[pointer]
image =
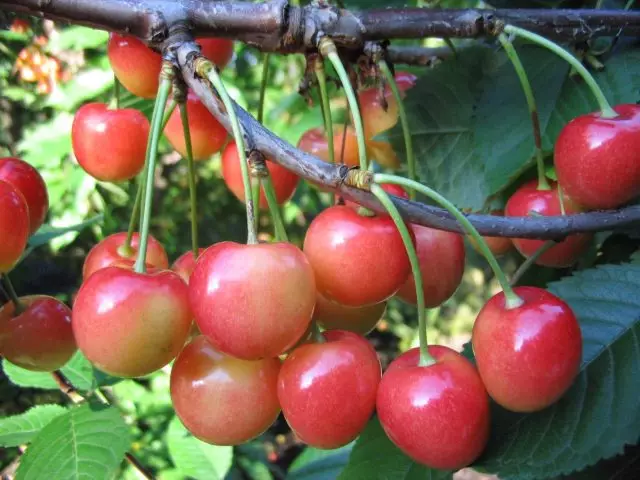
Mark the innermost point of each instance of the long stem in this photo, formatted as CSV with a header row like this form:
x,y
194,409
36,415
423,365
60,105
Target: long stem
x,y
524,266
11,293
326,109
274,208
425,358
512,300
255,196
263,87
193,199
605,107
543,184
116,91
171,106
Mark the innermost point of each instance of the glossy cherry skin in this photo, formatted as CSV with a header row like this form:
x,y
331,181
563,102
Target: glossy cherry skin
x,y
136,66
314,141
527,356
185,264
284,181
252,301
221,399
218,50
110,145
39,338
111,250
334,316
14,226
546,202
30,184
328,390
441,255
446,402
498,245
131,324
344,249
597,159
207,133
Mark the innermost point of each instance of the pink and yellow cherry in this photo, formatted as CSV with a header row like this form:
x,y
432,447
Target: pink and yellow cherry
x,y
110,145
14,226
223,400
40,337
445,401
314,141
131,324
529,199
597,159
207,133
498,245
30,184
527,356
252,301
328,390
284,181
112,250
218,50
441,256
185,264
135,65
334,316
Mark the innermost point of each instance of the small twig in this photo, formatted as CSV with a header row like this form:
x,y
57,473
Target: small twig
x,y
522,269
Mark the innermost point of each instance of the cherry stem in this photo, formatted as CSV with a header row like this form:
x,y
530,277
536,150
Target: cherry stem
x,y
316,334
193,199
605,107
263,87
404,121
561,199
255,197
451,46
326,108
116,91
170,107
13,296
524,266
425,357
512,299
511,52
274,208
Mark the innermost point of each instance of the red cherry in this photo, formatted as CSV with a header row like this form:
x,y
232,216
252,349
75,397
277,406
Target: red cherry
x,y
110,145
207,133
131,324
598,159
345,251
217,50
445,401
40,338
136,66
498,245
328,390
284,181
30,184
527,356
314,141
14,226
546,202
221,399
252,301
111,250
441,256
334,316
185,264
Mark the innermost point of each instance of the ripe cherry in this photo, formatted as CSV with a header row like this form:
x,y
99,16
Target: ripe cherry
x,y
334,316
284,181
597,159
221,399
131,324
39,338
252,301
314,141
136,66
546,202
110,145
328,390
446,402
14,226
441,255
217,50
185,264
344,249
207,133
498,245
527,356
30,184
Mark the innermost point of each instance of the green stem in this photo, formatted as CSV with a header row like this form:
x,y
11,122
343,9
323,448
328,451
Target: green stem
x,y
135,214
171,106
274,208
326,108
193,199
263,87
512,300
13,296
543,184
522,269
451,46
255,196
116,91
628,5
605,107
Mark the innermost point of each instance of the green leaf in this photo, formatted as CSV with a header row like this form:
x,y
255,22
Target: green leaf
x,y
78,38
88,441
316,464
194,458
20,429
46,233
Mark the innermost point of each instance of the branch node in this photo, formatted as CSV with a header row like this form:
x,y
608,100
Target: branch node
x,y
361,179
257,164
326,46
293,36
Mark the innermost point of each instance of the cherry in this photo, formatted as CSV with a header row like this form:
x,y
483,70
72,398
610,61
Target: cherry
x,y
546,202
252,301
498,245
221,399
112,250
314,141
207,133
597,159
14,226
136,66
328,390
334,316
344,249
217,50
441,256
445,402
131,324
30,184
284,181
110,145
185,264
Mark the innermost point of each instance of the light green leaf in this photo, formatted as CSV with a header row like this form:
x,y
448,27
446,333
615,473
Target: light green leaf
x,y
78,38
20,429
46,233
316,464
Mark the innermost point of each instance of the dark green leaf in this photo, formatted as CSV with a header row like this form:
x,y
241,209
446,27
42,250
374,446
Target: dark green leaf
x,y
315,464
46,233
20,429
618,468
